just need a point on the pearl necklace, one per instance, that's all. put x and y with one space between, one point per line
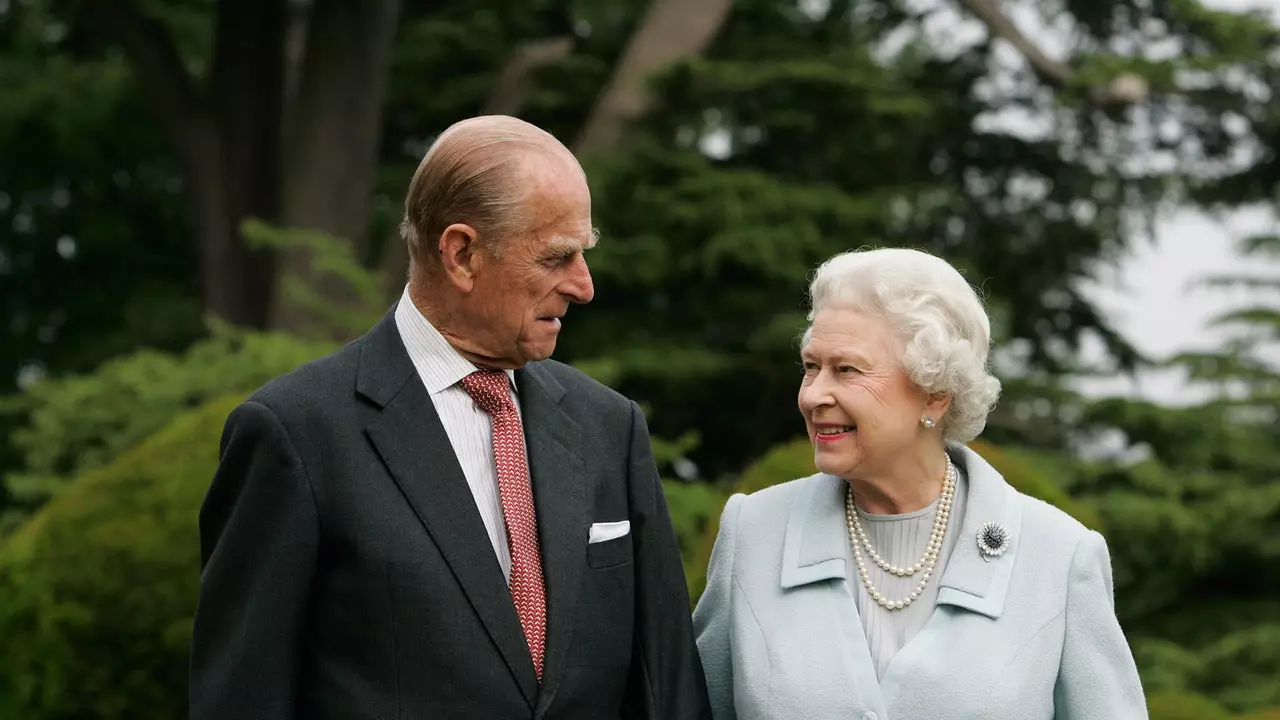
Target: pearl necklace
858 537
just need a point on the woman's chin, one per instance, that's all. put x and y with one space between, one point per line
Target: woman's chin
833 462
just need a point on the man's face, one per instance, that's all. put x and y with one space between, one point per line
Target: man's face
520 295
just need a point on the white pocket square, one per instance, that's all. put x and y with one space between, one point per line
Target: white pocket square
601 532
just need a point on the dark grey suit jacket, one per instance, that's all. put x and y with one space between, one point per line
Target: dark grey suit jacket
347 573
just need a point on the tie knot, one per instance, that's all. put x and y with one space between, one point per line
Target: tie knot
488 388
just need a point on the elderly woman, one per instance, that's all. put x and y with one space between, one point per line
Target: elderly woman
906 580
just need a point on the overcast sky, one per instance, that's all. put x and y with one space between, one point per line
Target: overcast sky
1150 299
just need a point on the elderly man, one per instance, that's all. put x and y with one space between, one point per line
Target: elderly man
437 521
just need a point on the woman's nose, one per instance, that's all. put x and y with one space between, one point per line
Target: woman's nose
815 393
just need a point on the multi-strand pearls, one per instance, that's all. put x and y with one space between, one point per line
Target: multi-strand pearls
926 564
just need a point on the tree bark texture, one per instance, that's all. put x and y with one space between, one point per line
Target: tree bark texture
226 132
332 134
284 128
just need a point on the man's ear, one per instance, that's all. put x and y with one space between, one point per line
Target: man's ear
459 249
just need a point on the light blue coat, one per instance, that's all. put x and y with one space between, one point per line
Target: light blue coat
1030 635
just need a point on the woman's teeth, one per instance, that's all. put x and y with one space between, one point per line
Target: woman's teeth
835 430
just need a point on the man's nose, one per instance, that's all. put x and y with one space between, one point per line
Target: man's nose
578 286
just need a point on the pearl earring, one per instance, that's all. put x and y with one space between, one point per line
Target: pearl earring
928 422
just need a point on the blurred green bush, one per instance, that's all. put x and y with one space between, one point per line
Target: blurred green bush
81 422
100 585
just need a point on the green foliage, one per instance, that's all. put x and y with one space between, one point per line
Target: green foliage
1184 706
824 140
100 586
1194 519
695 512
346 299
81 422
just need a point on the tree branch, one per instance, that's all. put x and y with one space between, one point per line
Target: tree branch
670 31
512 87
1123 91
155 61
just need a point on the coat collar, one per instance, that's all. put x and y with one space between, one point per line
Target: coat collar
816 546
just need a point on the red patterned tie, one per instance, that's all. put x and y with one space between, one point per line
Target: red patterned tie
489 389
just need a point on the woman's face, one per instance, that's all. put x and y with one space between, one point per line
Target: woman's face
861 409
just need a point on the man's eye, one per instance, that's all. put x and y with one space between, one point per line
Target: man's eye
848 369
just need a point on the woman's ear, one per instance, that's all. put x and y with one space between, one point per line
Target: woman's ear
936 405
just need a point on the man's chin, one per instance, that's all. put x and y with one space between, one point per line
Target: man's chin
535 351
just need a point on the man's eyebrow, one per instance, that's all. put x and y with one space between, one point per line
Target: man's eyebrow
563 246
567 244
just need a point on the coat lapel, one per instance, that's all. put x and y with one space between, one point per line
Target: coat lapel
411 440
816 549
971 581
553 441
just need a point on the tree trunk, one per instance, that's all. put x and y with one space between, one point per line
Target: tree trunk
248 104
671 30
332 134
228 140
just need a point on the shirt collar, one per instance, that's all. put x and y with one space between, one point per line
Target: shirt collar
438 363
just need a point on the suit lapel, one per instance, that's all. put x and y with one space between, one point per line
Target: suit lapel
411 440
554 444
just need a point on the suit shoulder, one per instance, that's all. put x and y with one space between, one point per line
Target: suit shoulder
579 382
316 382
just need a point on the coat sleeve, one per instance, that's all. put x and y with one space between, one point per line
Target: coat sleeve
711 617
259 534
666 681
1097 676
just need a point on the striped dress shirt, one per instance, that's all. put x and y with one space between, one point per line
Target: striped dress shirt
469 428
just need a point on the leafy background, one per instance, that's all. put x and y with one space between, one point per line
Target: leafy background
176 228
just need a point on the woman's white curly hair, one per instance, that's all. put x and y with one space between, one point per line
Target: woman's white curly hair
944 331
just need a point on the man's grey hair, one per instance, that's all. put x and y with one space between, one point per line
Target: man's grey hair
473 174
943 329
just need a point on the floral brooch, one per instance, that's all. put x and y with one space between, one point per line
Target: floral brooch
993 540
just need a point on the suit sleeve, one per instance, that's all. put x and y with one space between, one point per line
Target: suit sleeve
711 617
1097 676
259 530
666 681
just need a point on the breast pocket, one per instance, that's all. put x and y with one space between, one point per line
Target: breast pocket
609 553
